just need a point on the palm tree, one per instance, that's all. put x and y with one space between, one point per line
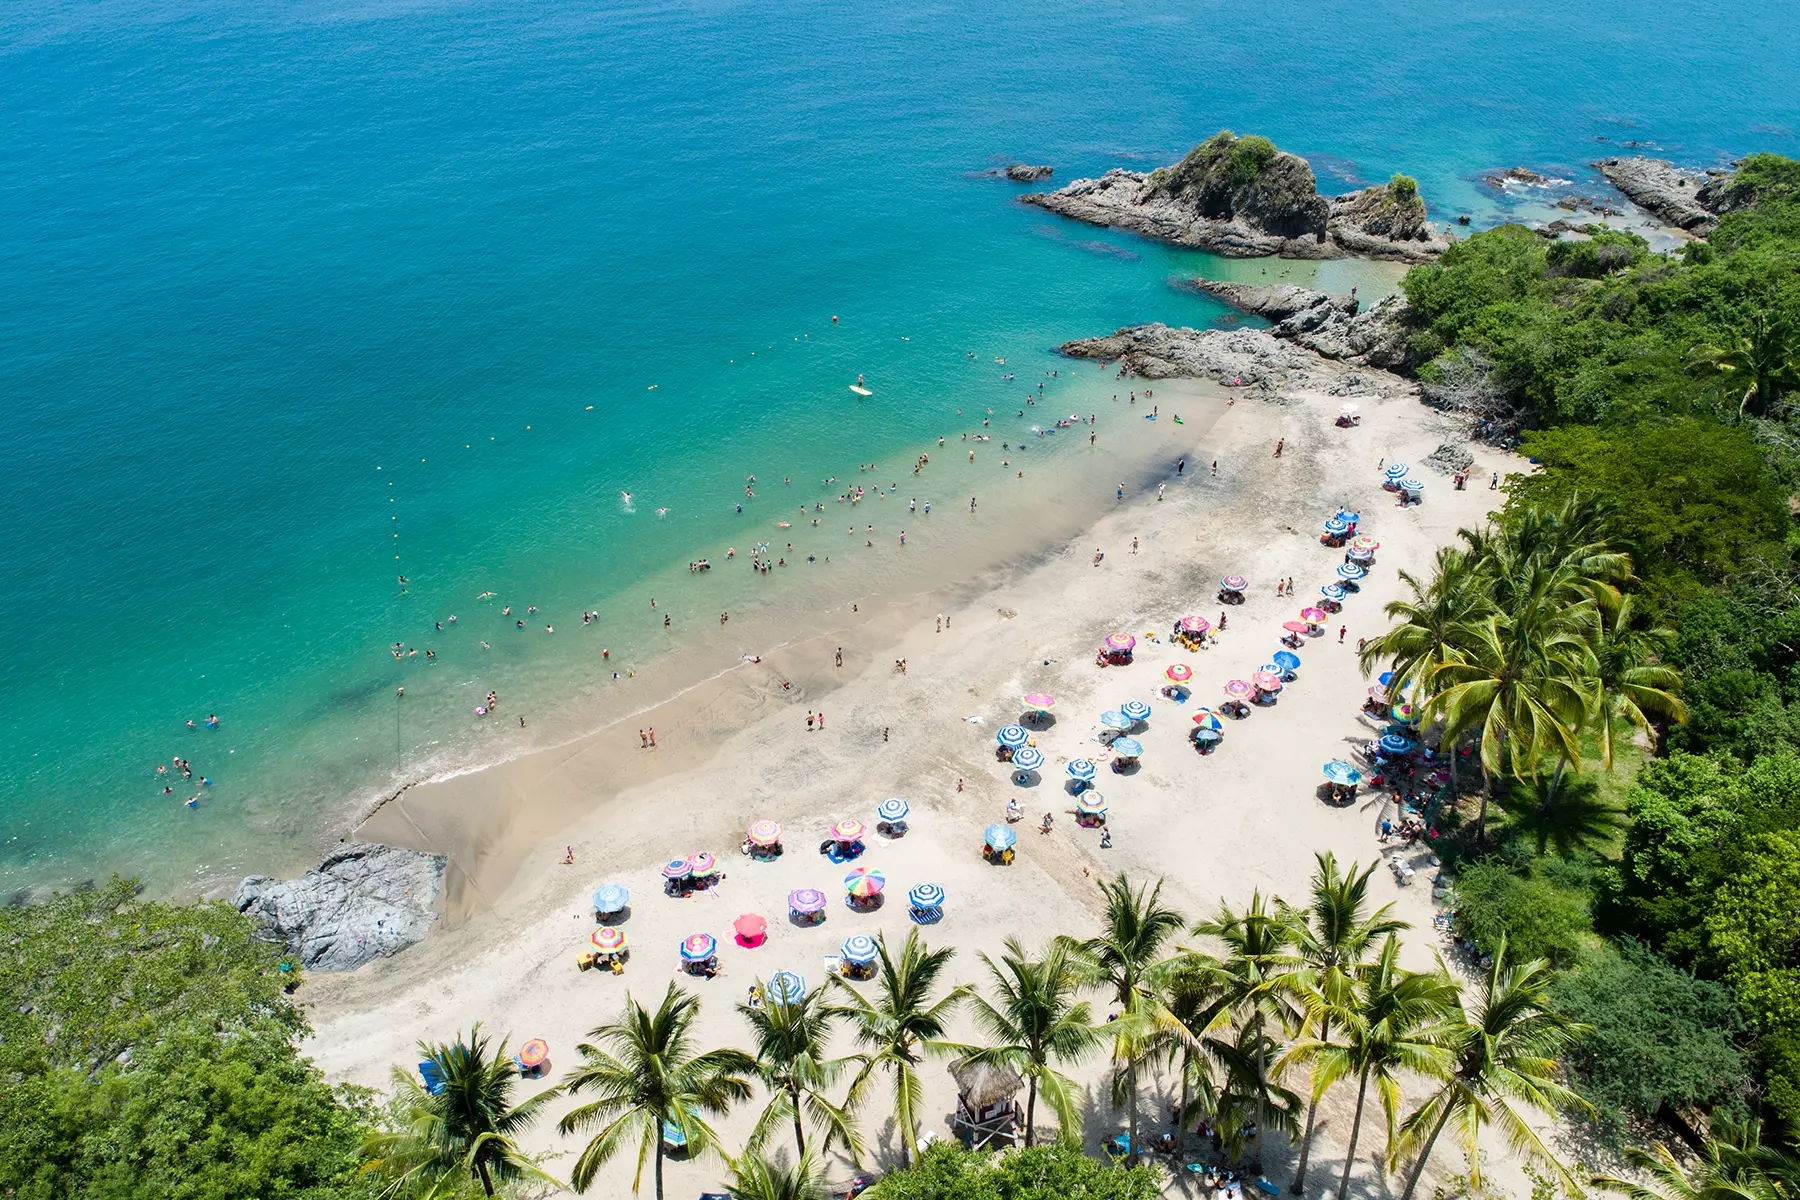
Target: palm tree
1126 958
756 1178
792 1063
1420 642
1332 938
901 1026
1733 1165
1388 1024
1504 1043
1763 353
1258 970
1635 686
464 1130
1037 1020
645 1075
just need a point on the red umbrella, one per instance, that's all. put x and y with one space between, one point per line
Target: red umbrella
1295 626
750 927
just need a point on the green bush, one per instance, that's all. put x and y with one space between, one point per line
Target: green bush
1539 918
1056 1172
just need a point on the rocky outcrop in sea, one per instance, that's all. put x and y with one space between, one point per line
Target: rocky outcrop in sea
363 902
1690 200
1026 173
1243 198
1333 326
1251 358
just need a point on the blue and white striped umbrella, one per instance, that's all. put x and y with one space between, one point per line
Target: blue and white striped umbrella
892 809
611 898
860 948
1128 747
1287 660
1137 710
1342 773
1270 668
1332 591
1393 743
1082 770
1027 758
926 895
1351 571
785 987
1397 470
1336 528
1012 736
1348 517
1361 556
1115 720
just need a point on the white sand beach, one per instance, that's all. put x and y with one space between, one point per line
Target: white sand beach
1220 826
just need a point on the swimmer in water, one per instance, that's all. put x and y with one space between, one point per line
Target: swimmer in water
625 496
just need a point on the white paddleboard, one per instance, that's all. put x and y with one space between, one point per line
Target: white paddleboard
861 391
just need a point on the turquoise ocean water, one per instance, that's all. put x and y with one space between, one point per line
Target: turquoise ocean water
279 281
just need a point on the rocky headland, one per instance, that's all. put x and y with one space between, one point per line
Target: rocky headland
1243 198
1686 199
1336 327
364 901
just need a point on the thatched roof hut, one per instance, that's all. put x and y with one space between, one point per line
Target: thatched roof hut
984 1083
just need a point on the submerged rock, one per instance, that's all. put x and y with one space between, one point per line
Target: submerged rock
1666 191
1026 173
1241 197
364 901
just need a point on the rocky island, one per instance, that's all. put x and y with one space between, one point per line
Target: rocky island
1243 198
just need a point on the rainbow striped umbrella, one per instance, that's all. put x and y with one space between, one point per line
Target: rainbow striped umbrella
1314 616
1234 583
1012 736
1120 641
893 809
1238 689
785 987
1206 718
702 863
608 940
1090 804
765 833
807 900
1193 624
847 831
860 948
1137 710
1082 770
1179 673
1027 758
1378 694
1406 714
698 947
1365 542
534 1052
611 898
863 882
1039 701
1128 747
677 869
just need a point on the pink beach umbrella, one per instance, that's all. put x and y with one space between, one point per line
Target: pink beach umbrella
847 831
1194 624
1120 641
765 833
1239 689
1266 682
1314 616
1039 701
1295 626
1179 673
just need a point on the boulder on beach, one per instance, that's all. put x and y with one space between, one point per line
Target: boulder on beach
364 901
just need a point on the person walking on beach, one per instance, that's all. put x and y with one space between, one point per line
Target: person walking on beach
1342 630
653 738
1180 465
821 727
1279 443
940 623
972 503
1121 489
884 733
809 720
1215 468
643 740
840 656
1494 483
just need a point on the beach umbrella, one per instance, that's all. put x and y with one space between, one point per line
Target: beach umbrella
1206 718
1314 616
608 940
926 895
1332 591
1203 734
1295 626
1266 682
677 869
1361 556
611 898
1027 758
1286 660
702 863
1090 803
534 1052
807 900
765 833
1039 701
1115 720
1192 624
1137 710
1270 668
1385 678
750 927
1365 542
1335 527
1413 485
1012 736
1128 748
999 837
847 830
1351 572
1346 410
785 987
863 882
1340 772
1082 769
1393 743
1238 689
860 948
1397 471
1120 641
1348 517
1378 694
1406 714
698 947
1179 673
893 809
1234 583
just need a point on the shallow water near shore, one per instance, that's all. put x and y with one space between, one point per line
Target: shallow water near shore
286 293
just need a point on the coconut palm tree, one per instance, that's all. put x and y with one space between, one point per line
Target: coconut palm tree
792 1062
645 1076
464 1130
1126 959
1762 354
1036 1021
1388 1024
1258 970
1332 937
1420 640
1635 686
756 1178
904 1024
1733 1165
1504 1040
1223 1064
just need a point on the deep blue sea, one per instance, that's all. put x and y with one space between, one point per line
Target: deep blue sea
301 296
